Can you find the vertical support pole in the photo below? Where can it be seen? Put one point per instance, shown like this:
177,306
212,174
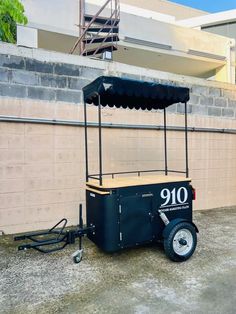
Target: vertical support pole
165,143
100,139
186,139
80,225
86,141
81,24
116,15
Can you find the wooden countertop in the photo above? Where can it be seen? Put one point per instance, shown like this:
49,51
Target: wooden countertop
119,182
97,191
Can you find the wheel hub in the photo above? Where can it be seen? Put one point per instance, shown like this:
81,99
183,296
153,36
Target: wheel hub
182,242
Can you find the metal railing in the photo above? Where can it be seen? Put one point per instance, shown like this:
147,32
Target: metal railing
112,21
138,172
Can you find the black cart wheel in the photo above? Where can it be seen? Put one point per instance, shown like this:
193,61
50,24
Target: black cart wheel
181,242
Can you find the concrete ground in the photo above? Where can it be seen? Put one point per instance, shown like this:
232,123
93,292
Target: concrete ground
140,280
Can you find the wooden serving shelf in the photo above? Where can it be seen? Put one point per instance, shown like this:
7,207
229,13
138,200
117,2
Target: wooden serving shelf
118,182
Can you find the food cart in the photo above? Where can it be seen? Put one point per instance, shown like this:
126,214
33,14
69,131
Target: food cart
132,208
137,207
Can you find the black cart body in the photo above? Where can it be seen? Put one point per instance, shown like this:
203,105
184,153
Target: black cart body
129,216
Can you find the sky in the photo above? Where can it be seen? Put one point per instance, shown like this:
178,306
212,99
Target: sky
209,5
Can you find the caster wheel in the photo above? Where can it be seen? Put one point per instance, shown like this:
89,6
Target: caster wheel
181,242
77,259
77,256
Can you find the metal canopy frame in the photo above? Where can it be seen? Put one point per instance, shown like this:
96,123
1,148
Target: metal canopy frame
100,175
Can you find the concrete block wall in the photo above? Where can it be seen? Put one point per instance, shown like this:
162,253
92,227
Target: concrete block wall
27,78
42,166
22,77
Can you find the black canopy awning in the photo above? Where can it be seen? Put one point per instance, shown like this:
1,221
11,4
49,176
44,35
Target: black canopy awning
127,93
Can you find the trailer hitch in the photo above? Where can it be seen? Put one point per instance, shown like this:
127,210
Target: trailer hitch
56,238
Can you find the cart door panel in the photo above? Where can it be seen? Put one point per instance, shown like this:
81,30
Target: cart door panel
135,220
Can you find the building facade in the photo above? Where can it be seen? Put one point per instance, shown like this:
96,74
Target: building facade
151,35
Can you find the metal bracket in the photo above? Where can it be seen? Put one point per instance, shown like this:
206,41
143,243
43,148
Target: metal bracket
55,239
163,217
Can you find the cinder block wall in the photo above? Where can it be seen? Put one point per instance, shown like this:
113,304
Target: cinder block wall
42,165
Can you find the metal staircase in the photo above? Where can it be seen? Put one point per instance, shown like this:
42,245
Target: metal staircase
99,32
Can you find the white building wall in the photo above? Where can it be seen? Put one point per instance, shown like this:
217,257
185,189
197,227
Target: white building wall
60,14
60,17
166,7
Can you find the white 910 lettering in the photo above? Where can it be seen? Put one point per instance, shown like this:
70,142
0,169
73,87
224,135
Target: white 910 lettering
173,197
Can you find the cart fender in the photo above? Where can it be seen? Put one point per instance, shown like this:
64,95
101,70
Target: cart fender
173,223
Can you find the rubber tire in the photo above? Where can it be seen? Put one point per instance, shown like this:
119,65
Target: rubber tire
168,242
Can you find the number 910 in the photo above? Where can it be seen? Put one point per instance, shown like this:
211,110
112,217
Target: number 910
174,197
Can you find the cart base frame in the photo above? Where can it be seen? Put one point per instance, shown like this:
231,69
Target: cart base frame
56,238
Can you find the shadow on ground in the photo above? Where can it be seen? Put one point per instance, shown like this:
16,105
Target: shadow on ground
139,280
